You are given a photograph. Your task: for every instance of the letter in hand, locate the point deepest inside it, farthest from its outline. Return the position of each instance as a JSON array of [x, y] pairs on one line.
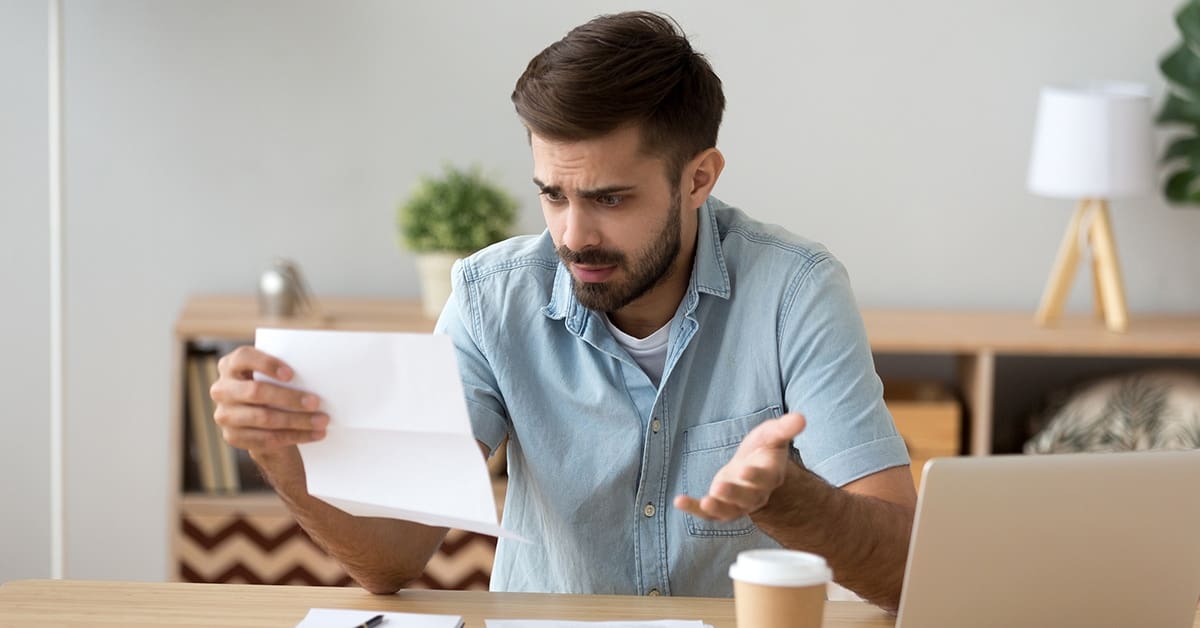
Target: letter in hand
[[260, 415], [746, 482]]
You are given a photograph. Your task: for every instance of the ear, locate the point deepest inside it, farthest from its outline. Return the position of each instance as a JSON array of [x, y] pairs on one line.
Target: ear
[[700, 175]]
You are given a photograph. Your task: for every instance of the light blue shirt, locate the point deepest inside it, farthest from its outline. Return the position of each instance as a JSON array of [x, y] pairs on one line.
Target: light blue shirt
[[596, 452]]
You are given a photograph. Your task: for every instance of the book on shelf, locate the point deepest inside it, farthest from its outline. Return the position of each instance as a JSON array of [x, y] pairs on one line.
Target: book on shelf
[[213, 466], [227, 476], [200, 445]]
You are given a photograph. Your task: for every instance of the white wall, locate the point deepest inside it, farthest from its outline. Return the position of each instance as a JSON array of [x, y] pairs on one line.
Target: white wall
[[206, 137], [24, 294]]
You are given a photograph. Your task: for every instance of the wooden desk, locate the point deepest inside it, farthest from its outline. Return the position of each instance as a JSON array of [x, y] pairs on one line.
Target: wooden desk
[[129, 604], [95, 603]]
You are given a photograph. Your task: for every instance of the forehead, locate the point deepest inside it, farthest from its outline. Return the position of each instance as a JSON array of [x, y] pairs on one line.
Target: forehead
[[600, 160]]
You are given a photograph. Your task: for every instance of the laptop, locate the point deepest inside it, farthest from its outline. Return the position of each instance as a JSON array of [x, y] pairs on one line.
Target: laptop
[[1057, 540]]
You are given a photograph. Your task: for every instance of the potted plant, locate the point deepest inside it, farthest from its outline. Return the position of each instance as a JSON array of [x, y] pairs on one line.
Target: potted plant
[[1181, 67], [448, 217]]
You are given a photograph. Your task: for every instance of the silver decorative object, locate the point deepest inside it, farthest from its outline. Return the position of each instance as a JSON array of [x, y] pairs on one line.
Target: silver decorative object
[[282, 291]]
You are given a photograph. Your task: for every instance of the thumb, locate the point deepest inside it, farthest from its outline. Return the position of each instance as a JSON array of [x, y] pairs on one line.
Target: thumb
[[781, 431]]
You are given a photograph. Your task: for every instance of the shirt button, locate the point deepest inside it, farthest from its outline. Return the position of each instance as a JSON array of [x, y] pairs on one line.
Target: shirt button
[[648, 510], [655, 425], [653, 593]]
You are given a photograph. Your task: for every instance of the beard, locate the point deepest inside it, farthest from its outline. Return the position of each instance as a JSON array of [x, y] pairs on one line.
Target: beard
[[649, 269]]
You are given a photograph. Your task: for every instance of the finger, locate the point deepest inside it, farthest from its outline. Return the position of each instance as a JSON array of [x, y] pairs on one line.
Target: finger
[[745, 498], [264, 418], [755, 475], [721, 510], [262, 393], [690, 505], [705, 508], [243, 362], [257, 440]]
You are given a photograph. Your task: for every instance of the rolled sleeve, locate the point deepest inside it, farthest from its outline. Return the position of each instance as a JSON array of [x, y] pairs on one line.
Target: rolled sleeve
[[860, 461]]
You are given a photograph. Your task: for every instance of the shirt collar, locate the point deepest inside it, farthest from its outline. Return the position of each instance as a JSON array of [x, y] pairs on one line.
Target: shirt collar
[[709, 273]]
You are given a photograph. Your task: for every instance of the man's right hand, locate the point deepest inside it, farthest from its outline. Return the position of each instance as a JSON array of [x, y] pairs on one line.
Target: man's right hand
[[258, 415], [382, 554]]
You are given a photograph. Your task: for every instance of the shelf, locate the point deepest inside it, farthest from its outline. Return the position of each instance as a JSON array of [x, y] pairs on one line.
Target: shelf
[[268, 503], [257, 502], [1014, 333], [236, 317], [889, 331]]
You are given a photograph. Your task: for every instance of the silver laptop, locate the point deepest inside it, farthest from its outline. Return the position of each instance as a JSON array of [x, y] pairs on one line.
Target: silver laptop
[[1061, 540]]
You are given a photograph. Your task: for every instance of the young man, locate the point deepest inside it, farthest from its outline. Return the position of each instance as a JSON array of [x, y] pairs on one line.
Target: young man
[[639, 355]]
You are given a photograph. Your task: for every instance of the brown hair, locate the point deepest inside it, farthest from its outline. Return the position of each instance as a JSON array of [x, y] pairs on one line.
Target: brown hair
[[628, 68]]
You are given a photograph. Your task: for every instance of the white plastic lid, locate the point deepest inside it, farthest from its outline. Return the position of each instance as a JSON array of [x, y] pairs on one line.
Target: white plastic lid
[[780, 568]]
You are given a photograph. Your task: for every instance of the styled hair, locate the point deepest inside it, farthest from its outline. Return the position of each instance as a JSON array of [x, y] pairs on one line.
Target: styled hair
[[633, 68]]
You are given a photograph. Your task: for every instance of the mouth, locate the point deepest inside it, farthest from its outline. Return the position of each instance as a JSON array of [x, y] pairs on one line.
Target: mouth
[[592, 274]]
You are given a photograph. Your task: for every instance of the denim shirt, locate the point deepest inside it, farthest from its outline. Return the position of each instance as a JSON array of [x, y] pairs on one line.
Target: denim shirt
[[596, 452]]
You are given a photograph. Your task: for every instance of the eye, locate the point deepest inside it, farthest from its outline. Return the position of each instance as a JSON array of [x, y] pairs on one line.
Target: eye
[[553, 196], [608, 200]]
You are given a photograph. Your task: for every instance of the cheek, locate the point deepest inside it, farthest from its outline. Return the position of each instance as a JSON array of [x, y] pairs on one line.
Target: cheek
[[631, 238]]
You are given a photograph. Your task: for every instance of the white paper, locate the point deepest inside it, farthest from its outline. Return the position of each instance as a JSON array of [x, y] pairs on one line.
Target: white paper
[[344, 618], [554, 623], [399, 442]]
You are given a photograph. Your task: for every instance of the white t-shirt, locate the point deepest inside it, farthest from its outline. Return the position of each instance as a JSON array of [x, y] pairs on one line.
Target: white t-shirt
[[650, 352]]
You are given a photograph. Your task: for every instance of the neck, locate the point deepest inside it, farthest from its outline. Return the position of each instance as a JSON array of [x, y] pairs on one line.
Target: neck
[[649, 312]]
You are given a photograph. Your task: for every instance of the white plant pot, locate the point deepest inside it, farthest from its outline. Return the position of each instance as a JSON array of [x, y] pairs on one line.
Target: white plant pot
[[434, 273]]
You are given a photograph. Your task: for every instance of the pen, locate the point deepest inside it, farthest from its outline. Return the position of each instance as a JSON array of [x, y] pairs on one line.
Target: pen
[[371, 623]]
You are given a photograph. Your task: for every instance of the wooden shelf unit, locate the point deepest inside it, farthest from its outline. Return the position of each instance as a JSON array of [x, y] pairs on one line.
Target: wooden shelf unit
[[219, 526], [972, 340], [976, 339]]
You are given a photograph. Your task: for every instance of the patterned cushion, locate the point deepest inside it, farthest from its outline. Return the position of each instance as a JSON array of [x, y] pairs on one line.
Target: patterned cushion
[[1139, 411]]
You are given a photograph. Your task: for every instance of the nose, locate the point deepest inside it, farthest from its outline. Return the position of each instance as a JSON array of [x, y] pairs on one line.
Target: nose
[[579, 230]]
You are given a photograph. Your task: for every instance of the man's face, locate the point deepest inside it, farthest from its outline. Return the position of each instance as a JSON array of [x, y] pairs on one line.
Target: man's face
[[614, 217]]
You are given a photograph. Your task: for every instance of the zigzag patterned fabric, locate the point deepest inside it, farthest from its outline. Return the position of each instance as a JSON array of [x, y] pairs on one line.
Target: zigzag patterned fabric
[[274, 549]]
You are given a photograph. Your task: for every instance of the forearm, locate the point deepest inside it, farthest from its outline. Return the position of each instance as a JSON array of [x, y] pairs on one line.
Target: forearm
[[864, 539], [382, 555]]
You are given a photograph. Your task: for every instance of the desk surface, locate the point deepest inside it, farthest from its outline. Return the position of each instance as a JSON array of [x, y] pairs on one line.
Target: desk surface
[[172, 605], [95, 603]]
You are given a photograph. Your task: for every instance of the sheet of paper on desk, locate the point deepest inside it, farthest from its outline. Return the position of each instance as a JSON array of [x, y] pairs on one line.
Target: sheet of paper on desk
[[344, 618], [399, 442], [554, 623]]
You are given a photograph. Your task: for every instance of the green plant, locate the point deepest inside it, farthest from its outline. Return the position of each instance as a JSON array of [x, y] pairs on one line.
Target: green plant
[[1181, 67], [460, 211]]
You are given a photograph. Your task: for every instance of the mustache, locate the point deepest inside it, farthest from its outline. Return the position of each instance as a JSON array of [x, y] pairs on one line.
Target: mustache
[[590, 257]]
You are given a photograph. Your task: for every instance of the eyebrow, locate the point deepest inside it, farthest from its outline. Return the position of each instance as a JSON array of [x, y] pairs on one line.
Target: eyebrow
[[593, 193]]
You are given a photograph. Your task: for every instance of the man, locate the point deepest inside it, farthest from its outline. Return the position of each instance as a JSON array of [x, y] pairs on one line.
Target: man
[[636, 354]]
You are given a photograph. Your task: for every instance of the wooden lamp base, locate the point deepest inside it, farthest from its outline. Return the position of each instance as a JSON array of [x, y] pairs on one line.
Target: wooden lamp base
[[1106, 272]]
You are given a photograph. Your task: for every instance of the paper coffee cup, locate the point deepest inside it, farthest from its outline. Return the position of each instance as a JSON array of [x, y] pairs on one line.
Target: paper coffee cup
[[779, 588]]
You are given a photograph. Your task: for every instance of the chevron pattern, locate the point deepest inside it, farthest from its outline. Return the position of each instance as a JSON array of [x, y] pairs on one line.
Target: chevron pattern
[[274, 549]]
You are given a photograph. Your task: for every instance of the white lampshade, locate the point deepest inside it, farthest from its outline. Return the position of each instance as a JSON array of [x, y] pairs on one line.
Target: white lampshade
[[1092, 140]]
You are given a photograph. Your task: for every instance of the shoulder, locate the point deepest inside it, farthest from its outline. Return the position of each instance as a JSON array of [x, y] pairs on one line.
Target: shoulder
[[753, 248], [524, 254], [509, 280]]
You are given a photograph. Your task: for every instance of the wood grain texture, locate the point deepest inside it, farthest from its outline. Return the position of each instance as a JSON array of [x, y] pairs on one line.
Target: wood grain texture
[[177, 605], [909, 331], [236, 317], [1015, 333]]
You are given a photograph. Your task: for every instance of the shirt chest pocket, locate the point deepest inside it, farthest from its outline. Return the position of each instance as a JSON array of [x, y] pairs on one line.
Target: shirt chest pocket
[[707, 448]]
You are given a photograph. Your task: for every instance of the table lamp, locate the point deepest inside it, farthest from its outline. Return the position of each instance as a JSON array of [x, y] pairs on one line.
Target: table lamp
[[1092, 142]]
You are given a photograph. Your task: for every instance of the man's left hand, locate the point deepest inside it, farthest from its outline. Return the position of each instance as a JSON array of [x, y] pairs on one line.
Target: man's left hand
[[746, 482]]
